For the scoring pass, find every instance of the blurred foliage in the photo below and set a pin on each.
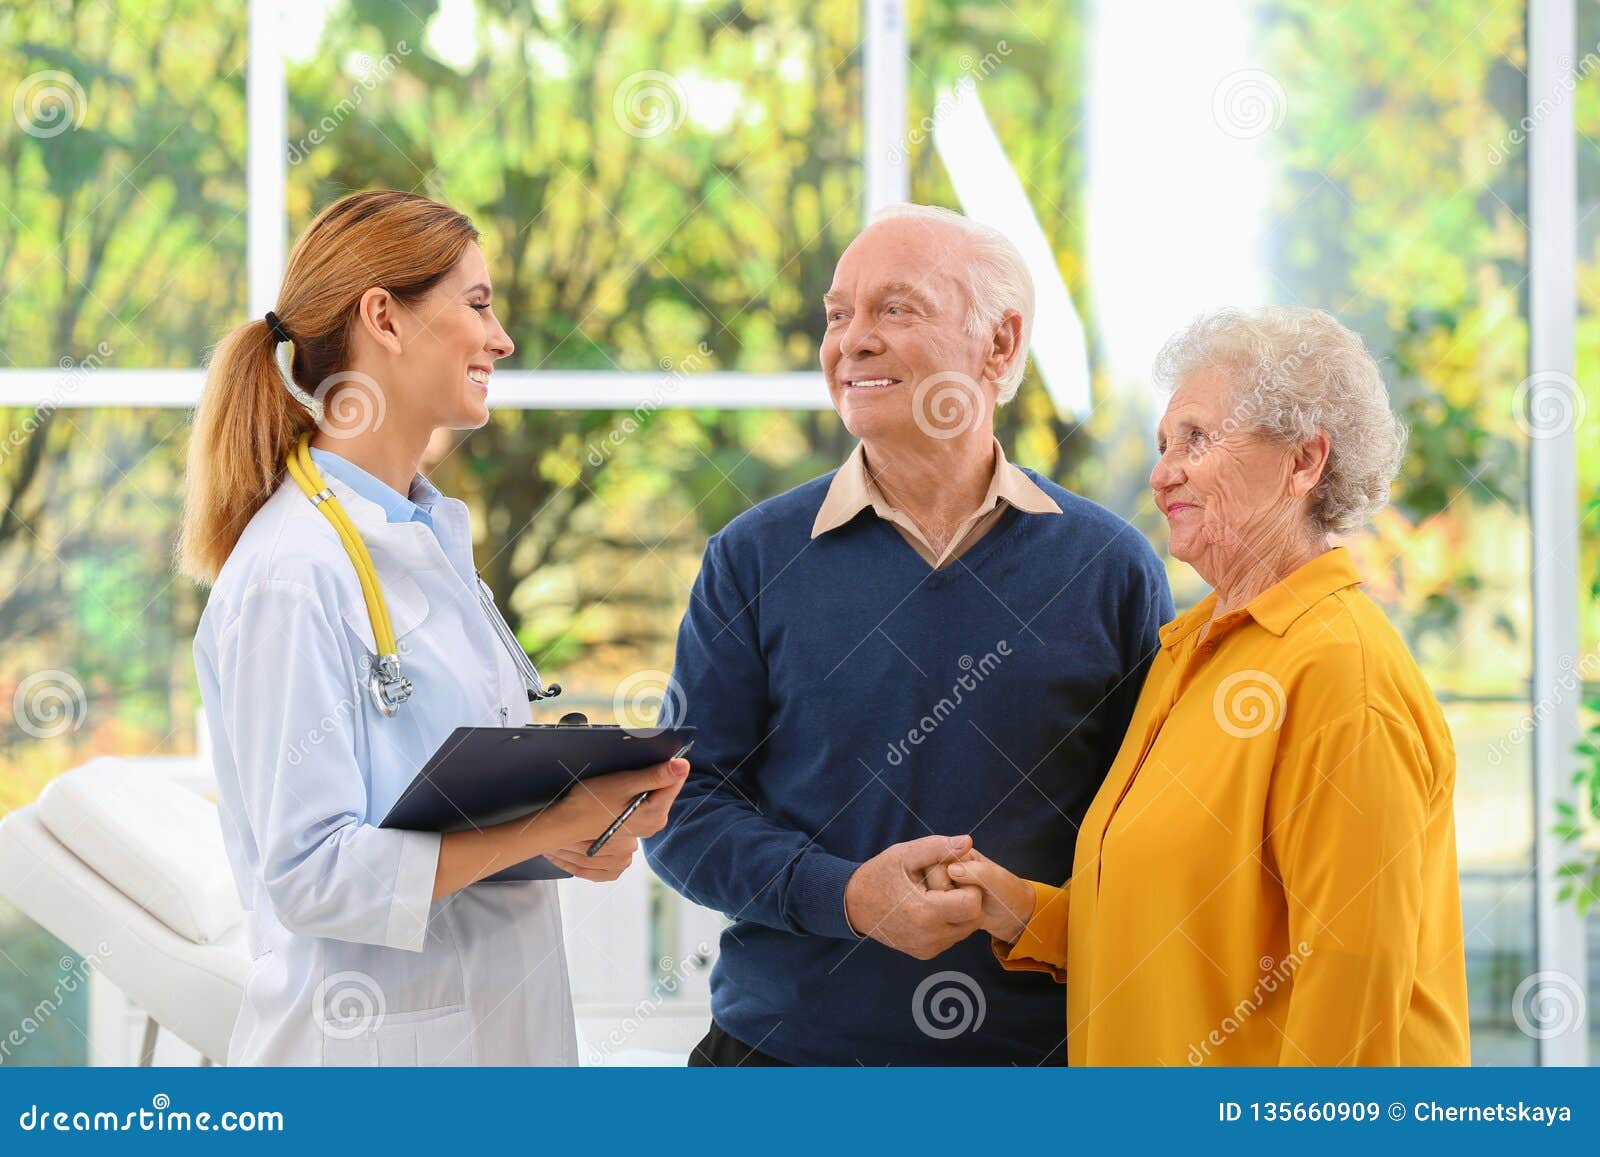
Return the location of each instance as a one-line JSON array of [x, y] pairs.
[[122, 246], [128, 229], [1026, 63], [1586, 114], [1578, 827], [704, 247], [1391, 215]]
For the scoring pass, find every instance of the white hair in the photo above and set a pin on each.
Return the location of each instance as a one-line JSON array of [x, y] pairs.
[[1294, 371], [997, 282]]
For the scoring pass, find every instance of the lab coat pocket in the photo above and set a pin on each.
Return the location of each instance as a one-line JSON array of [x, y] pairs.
[[407, 604], [432, 1036]]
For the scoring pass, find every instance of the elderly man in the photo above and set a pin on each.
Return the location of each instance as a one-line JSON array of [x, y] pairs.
[[928, 639]]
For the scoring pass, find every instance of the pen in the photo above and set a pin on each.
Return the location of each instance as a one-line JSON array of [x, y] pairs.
[[632, 807]]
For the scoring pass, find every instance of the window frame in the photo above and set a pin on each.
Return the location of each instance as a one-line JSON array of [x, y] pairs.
[[1552, 315]]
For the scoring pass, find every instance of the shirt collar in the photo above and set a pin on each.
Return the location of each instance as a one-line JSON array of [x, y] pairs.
[[1277, 607], [852, 491], [396, 507]]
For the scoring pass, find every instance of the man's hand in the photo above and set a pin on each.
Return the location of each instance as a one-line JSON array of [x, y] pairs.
[[888, 898]]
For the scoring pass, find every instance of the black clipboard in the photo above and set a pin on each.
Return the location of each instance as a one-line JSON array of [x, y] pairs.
[[482, 776]]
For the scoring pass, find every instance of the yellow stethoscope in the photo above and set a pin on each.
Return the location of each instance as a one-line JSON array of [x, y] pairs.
[[390, 688]]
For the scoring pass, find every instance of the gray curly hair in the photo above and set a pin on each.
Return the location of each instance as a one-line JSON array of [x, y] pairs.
[[1294, 371]]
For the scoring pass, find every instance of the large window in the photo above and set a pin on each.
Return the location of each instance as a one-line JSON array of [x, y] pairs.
[[1386, 208], [663, 187]]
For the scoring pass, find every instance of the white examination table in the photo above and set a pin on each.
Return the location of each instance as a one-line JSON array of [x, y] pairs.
[[122, 859]]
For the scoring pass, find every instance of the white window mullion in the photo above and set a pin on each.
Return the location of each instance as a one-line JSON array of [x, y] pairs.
[[1553, 498], [510, 389], [884, 100]]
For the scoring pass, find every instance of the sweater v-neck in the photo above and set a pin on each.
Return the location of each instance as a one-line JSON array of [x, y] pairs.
[[969, 560]]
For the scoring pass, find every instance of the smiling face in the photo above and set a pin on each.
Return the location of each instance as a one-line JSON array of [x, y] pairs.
[[1234, 499], [432, 359], [450, 357], [896, 320]]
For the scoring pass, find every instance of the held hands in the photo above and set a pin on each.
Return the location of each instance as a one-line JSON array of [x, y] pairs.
[[1007, 899], [592, 804], [889, 899]]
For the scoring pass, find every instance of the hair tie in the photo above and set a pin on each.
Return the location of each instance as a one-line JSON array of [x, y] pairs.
[[277, 327], [286, 372]]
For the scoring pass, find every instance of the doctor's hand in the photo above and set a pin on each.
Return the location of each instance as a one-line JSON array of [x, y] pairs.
[[889, 898], [607, 864], [1008, 899], [588, 809]]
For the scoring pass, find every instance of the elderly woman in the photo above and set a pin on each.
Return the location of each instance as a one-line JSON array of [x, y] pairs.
[[1268, 873]]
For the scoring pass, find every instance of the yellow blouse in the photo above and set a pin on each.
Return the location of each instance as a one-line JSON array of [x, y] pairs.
[[1268, 874]]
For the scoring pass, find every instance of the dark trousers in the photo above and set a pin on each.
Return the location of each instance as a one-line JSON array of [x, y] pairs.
[[719, 1050]]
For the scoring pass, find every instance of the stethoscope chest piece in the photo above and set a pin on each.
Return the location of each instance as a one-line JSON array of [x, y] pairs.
[[389, 688]]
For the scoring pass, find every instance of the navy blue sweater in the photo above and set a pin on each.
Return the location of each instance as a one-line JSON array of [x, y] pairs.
[[848, 697]]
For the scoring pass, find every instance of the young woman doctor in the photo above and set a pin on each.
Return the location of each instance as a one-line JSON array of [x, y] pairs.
[[372, 946]]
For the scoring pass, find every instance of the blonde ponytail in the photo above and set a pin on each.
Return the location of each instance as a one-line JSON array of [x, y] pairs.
[[245, 424], [247, 418]]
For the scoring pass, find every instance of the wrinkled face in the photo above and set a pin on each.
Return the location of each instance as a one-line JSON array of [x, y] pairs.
[[449, 342], [1227, 490], [899, 360]]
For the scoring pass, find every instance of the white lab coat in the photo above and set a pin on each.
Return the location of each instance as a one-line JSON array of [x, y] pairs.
[[351, 961]]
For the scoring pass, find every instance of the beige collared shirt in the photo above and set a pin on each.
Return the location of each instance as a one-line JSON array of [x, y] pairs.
[[853, 490]]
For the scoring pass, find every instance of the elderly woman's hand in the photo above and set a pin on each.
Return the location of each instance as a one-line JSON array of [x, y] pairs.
[[1008, 899]]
